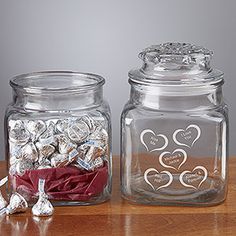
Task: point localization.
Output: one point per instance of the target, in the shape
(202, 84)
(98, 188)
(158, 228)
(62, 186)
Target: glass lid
(176, 64)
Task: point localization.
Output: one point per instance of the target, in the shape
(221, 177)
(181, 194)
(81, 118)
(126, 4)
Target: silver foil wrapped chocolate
(90, 122)
(18, 134)
(22, 165)
(64, 144)
(48, 136)
(36, 128)
(90, 156)
(61, 126)
(44, 164)
(29, 152)
(97, 163)
(78, 131)
(43, 207)
(59, 160)
(45, 150)
(52, 143)
(3, 202)
(15, 152)
(17, 204)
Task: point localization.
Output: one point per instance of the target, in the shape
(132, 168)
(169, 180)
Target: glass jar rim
(56, 81)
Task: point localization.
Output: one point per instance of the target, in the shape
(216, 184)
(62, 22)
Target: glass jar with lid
(58, 128)
(174, 141)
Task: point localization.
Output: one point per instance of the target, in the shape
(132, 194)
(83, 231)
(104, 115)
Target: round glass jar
(58, 128)
(174, 144)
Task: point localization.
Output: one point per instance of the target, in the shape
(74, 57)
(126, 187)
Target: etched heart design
(153, 142)
(156, 179)
(194, 178)
(173, 160)
(188, 136)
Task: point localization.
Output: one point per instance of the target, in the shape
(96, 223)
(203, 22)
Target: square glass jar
(174, 129)
(58, 129)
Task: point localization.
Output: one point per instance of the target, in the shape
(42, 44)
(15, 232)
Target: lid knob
(176, 56)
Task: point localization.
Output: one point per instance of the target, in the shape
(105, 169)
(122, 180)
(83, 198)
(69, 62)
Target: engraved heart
(194, 178)
(173, 160)
(153, 142)
(188, 136)
(156, 179)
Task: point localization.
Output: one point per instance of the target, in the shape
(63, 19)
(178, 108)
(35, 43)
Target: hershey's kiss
(21, 166)
(59, 160)
(45, 151)
(44, 164)
(15, 150)
(30, 152)
(97, 163)
(48, 136)
(19, 135)
(3, 202)
(36, 128)
(61, 126)
(78, 131)
(99, 137)
(64, 144)
(43, 207)
(17, 204)
(90, 122)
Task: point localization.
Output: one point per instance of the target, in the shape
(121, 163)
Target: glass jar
(58, 129)
(174, 144)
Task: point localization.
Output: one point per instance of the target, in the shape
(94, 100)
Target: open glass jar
(175, 129)
(58, 129)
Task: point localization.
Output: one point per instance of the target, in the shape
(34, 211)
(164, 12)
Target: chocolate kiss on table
(3, 202)
(17, 204)
(43, 207)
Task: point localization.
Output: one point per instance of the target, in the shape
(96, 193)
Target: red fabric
(66, 183)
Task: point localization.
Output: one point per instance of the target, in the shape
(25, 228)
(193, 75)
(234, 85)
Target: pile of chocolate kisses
(17, 202)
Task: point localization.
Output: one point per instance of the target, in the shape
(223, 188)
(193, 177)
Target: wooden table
(117, 217)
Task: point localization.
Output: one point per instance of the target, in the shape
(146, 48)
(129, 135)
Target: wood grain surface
(118, 217)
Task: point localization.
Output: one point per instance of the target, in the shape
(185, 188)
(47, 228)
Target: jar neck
(176, 98)
(58, 101)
